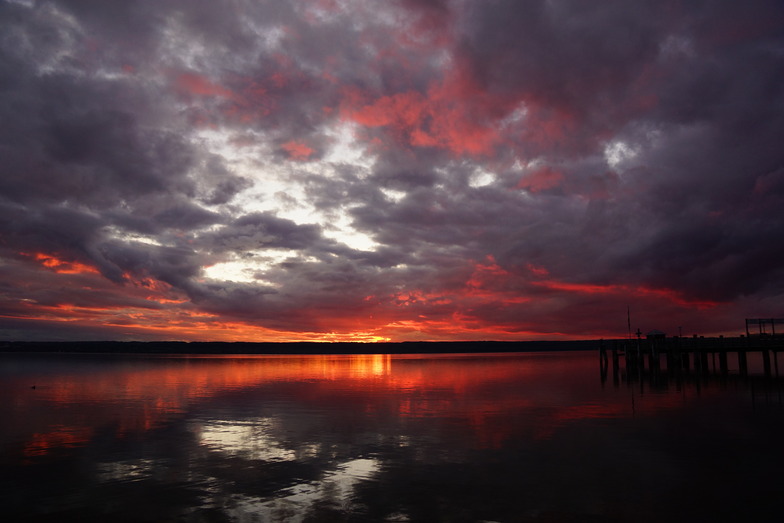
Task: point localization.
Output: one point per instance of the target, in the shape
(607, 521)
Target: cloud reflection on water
(367, 438)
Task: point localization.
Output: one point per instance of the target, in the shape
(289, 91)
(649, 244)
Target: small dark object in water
(32, 387)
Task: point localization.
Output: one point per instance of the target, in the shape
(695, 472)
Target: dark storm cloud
(697, 90)
(518, 161)
(260, 230)
(577, 58)
(76, 131)
(84, 150)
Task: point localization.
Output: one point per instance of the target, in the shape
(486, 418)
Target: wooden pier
(697, 355)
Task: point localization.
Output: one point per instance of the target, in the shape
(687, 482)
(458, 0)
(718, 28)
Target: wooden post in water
(766, 362)
(723, 362)
(615, 364)
(743, 364)
(603, 361)
(704, 361)
(653, 360)
(700, 364)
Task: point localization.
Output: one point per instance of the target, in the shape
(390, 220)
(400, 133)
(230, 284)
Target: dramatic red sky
(399, 170)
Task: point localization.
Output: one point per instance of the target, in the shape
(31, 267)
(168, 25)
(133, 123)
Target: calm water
(508, 437)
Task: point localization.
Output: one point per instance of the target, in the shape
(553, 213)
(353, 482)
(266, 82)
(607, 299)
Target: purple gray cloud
(341, 170)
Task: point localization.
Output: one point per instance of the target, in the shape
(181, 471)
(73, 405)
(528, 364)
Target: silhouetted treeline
(413, 347)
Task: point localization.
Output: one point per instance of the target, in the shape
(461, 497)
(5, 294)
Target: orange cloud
(485, 306)
(60, 266)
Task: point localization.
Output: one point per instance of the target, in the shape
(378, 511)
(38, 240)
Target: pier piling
(743, 364)
(689, 356)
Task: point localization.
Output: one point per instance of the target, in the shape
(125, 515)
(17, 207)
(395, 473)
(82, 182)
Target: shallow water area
(452, 437)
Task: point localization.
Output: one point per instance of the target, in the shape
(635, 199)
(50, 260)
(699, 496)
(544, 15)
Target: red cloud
(200, 85)
(487, 275)
(536, 270)
(540, 180)
(251, 100)
(454, 114)
(628, 290)
(297, 151)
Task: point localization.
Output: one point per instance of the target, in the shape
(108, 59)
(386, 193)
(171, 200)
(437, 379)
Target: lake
(453, 437)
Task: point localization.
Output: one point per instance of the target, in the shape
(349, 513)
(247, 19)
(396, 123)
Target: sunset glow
(440, 170)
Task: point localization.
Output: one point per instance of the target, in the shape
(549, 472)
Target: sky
(346, 170)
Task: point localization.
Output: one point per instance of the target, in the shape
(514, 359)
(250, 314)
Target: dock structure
(697, 355)
(763, 324)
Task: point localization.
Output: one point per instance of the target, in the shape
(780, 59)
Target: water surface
(502, 437)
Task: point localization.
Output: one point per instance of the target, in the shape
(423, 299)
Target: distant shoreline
(248, 348)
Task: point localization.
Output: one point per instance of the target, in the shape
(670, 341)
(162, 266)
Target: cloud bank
(345, 170)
